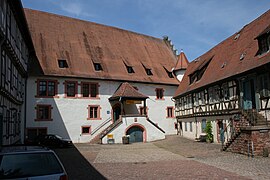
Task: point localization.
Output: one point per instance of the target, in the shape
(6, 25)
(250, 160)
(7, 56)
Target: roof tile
(229, 52)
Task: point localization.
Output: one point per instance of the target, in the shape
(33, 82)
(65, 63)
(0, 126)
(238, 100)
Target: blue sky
(193, 25)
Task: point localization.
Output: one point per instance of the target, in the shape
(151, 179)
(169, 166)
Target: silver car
(30, 162)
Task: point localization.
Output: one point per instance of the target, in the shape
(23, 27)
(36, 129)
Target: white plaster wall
(180, 74)
(197, 127)
(69, 115)
(152, 133)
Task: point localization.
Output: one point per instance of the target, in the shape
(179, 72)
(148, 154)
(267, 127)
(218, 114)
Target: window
(94, 112)
(71, 88)
(159, 93)
(214, 94)
(148, 72)
(170, 112)
(263, 83)
(47, 88)
(62, 63)
(86, 130)
(185, 126)
(190, 126)
(263, 44)
(90, 89)
(32, 133)
(203, 125)
(130, 69)
(97, 67)
(170, 74)
(198, 73)
(43, 112)
(225, 91)
(142, 110)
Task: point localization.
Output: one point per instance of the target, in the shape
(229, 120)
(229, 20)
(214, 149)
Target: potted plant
(209, 132)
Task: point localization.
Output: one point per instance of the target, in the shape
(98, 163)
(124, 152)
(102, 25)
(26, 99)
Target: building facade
(229, 86)
(98, 83)
(16, 48)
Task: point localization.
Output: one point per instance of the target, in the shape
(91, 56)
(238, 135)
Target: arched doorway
(135, 134)
(116, 112)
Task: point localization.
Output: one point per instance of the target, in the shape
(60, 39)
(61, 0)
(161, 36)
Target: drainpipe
(196, 133)
(252, 149)
(1, 126)
(25, 105)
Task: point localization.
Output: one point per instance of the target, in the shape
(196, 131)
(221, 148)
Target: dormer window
(130, 69)
(98, 67)
(198, 73)
(170, 74)
(264, 41)
(147, 69)
(148, 72)
(62, 63)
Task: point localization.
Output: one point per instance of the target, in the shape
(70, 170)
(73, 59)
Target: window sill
(43, 119)
(97, 98)
(94, 118)
(46, 96)
(160, 99)
(86, 134)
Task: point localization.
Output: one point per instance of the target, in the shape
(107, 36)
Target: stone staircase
(98, 138)
(249, 118)
(254, 118)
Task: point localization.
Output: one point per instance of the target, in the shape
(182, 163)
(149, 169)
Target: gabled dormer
(264, 41)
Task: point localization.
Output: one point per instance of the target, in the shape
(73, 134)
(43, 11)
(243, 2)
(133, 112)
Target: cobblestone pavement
(173, 158)
(210, 154)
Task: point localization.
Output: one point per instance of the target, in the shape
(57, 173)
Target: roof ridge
(243, 27)
(99, 24)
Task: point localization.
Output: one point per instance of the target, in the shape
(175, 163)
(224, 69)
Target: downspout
(25, 103)
(1, 126)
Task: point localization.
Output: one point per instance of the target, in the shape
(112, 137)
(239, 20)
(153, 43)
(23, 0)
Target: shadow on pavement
(76, 165)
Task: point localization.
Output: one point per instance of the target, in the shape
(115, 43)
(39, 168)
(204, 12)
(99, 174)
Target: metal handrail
(101, 125)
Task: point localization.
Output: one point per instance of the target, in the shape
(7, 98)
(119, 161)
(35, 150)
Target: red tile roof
(125, 90)
(182, 62)
(225, 57)
(81, 43)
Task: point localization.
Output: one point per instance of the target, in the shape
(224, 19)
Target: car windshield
(28, 165)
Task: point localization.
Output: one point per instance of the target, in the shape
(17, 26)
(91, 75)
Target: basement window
(98, 67)
(62, 63)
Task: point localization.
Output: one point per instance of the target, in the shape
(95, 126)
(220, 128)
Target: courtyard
(172, 158)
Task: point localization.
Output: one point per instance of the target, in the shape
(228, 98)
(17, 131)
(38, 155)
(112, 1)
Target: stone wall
(252, 140)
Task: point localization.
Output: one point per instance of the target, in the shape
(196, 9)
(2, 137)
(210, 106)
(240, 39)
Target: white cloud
(75, 8)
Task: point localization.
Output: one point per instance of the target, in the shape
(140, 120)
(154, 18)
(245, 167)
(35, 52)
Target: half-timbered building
(98, 83)
(229, 86)
(15, 47)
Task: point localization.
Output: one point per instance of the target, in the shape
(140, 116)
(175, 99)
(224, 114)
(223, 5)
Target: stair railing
(101, 125)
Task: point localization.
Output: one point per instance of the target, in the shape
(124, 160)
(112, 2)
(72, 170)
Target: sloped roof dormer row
(235, 55)
(85, 45)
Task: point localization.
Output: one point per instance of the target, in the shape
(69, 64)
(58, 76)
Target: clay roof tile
(125, 90)
(235, 55)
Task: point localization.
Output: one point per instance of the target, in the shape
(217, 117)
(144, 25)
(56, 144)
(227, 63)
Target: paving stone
(172, 158)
